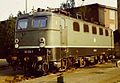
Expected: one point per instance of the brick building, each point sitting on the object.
(97, 13)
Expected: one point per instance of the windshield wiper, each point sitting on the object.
(19, 27)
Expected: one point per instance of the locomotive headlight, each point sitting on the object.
(16, 41)
(42, 42)
(16, 45)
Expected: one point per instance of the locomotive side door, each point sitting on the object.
(63, 42)
(63, 32)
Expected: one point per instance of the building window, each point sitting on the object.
(112, 14)
(86, 28)
(100, 31)
(76, 26)
(106, 33)
(94, 30)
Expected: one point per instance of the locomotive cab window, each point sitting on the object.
(40, 22)
(94, 30)
(86, 28)
(22, 23)
(76, 26)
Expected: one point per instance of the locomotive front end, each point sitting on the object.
(31, 32)
(30, 40)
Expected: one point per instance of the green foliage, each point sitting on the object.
(7, 32)
(10, 32)
(68, 4)
(2, 34)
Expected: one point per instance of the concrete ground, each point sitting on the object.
(100, 73)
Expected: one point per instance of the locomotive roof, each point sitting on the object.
(49, 13)
(35, 14)
(43, 12)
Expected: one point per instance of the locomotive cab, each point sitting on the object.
(30, 29)
(36, 38)
(31, 37)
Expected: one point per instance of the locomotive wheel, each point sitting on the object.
(39, 69)
(45, 68)
(63, 65)
(42, 68)
(82, 62)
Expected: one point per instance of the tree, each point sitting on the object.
(10, 32)
(68, 4)
(7, 31)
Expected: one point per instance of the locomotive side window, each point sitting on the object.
(22, 24)
(39, 22)
(76, 26)
(106, 33)
(94, 30)
(100, 31)
(86, 28)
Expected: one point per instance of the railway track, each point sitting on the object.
(7, 75)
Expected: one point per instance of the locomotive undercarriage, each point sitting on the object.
(46, 60)
(30, 60)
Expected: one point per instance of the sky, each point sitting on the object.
(8, 7)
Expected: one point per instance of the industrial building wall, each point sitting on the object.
(96, 13)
